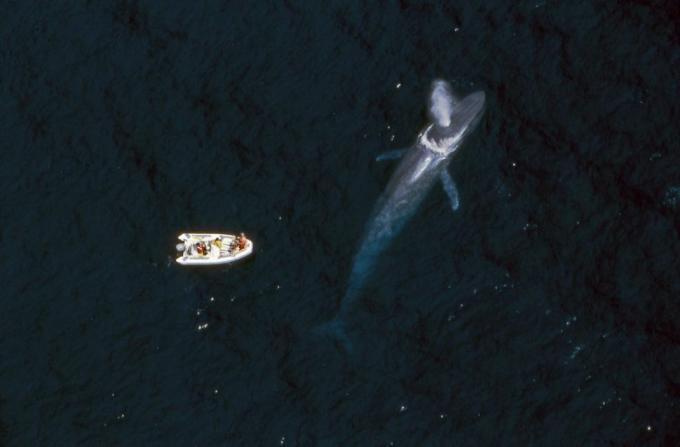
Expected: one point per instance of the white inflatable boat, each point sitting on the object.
(212, 248)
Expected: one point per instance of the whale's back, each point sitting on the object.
(405, 191)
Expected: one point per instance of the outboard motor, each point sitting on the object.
(180, 247)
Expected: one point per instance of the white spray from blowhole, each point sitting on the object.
(441, 103)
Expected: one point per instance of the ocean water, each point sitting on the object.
(544, 312)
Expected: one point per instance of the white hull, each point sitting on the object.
(215, 255)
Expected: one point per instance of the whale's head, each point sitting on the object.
(452, 118)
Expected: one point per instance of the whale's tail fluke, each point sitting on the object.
(336, 330)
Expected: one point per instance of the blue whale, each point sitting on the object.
(422, 165)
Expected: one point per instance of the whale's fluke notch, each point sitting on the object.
(450, 189)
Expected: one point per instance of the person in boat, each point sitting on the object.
(235, 244)
(239, 243)
(201, 248)
(218, 242)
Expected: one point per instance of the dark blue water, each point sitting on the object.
(544, 312)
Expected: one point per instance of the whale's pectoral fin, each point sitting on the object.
(451, 190)
(391, 155)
